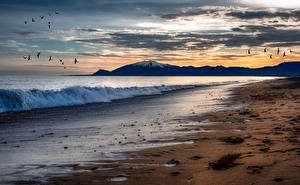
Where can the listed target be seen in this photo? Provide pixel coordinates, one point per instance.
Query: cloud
(265, 14)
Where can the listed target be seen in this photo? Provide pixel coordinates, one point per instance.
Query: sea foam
(18, 100)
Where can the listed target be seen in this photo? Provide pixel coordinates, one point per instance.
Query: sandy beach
(258, 144)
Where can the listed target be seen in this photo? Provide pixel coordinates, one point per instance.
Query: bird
(265, 50)
(28, 58)
(50, 58)
(25, 57)
(38, 54)
(284, 55)
(291, 51)
(25, 22)
(75, 61)
(32, 20)
(249, 52)
(271, 56)
(42, 17)
(278, 51)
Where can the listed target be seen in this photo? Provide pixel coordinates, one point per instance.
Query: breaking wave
(18, 100)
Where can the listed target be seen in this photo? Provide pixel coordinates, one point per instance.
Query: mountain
(153, 68)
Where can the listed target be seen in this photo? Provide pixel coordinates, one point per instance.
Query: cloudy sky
(110, 33)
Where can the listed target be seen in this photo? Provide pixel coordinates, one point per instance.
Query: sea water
(77, 119)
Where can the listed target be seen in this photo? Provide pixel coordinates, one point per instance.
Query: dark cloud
(27, 33)
(249, 35)
(295, 14)
(190, 13)
(96, 54)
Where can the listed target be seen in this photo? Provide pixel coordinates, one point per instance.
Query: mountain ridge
(153, 68)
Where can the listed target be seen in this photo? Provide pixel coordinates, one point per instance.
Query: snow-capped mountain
(153, 68)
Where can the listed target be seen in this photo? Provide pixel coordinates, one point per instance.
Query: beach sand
(257, 144)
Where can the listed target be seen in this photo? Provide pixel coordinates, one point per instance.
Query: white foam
(18, 100)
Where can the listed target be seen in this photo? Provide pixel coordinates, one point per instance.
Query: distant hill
(153, 68)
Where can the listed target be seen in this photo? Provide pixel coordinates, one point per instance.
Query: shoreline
(255, 149)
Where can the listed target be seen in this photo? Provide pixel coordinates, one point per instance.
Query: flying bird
(38, 54)
(50, 58)
(75, 61)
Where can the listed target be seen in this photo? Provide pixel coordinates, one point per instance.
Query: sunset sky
(108, 34)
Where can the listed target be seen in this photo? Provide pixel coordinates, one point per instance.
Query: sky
(107, 34)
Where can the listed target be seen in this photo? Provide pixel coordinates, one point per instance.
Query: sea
(48, 121)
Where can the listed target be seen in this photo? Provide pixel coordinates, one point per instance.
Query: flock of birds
(33, 20)
(271, 55)
(43, 17)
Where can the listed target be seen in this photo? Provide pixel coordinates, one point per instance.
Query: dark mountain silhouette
(152, 68)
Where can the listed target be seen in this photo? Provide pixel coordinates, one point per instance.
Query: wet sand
(258, 144)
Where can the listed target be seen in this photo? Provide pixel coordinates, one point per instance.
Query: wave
(19, 100)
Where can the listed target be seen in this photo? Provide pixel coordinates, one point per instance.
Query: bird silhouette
(249, 51)
(38, 54)
(265, 50)
(271, 56)
(42, 17)
(291, 51)
(50, 58)
(75, 61)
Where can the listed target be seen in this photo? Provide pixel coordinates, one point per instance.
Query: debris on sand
(172, 162)
(225, 162)
(254, 169)
(196, 157)
(232, 140)
(175, 173)
(267, 141)
(279, 179)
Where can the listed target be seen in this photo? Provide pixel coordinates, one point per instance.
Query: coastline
(266, 146)
(263, 138)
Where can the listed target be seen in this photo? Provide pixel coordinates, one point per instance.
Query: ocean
(47, 121)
